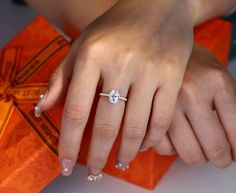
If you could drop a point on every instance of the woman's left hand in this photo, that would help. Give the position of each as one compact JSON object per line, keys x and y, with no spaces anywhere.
{"x":140,"y":48}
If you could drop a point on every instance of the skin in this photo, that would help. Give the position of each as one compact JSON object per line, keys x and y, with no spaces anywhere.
{"x":74,"y":15}
{"x":135,"y":72}
{"x":144,"y":68}
{"x":204,"y":117}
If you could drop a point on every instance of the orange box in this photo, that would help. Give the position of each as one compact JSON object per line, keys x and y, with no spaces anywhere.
{"x":28,"y":145}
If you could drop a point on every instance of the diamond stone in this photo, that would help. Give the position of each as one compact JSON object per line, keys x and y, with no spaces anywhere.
{"x":114,"y":96}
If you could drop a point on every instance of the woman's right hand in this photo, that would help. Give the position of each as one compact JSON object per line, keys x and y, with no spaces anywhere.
{"x":204,"y":123}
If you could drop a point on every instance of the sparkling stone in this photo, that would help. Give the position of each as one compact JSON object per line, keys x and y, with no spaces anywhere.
{"x":41,"y":96}
{"x":95,"y":177}
{"x":114,"y":96}
{"x":122,"y":166}
{"x":65,"y":169}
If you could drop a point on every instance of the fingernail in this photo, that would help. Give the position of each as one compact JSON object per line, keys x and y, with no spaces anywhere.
{"x":37,"y":108}
{"x":95,"y":174}
{"x":67,"y":167}
{"x":143,"y":149}
{"x":122,"y":166}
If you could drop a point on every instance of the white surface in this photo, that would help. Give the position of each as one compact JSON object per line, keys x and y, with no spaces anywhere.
{"x":179,"y":179}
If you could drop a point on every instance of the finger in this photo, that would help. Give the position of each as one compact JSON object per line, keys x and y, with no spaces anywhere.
{"x":59,"y":81}
{"x":58,"y":84}
{"x":76,"y":112}
{"x":225,"y":104}
{"x":106,"y":125}
{"x":135,"y":122}
{"x":210,"y":134}
{"x":165,"y":147}
{"x":162,"y":113}
{"x":184,"y":140}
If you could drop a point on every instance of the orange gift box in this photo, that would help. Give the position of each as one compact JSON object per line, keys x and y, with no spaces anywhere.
{"x":28,"y":145}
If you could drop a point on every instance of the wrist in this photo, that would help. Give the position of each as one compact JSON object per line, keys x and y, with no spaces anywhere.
{"x":155,"y":12}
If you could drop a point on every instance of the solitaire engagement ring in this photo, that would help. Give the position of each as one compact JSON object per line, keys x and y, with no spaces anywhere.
{"x":114,"y":96}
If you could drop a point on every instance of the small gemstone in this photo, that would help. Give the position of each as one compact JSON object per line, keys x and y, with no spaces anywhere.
{"x":114,"y":96}
{"x":90,"y":178}
{"x":95,"y":177}
{"x":41,"y":96}
{"x":65,"y":169}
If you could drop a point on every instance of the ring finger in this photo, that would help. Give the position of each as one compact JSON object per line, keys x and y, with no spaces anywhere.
{"x":106,"y":125}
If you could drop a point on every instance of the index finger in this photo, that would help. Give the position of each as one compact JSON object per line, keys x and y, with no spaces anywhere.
{"x":76,"y":112}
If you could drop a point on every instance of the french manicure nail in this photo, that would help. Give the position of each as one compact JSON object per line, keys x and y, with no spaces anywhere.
{"x":122,"y":166}
{"x":95,"y":174}
{"x":67,"y":167}
{"x":37,"y":108}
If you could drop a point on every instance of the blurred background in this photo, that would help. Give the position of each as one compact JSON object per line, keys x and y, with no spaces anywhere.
{"x":14,"y":15}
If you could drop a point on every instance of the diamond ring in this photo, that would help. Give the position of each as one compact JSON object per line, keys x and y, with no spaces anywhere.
{"x":114,"y":96}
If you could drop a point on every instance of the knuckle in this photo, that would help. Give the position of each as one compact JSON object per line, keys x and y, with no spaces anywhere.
{"x":134,"y":133}
{"x":74,"y":113}
{"x":106,"y":130}
{"x":92,"y":48}
{"x":149,"y":72}
{"x":217,"y":151}
{"x":122,"y":68}
{"x":172,"y":67}
{"x":161,"y":124}
{"x":123,"y":62}
{"x":87,"y":48}
{"x":170,"y":70}
{"x":188,"y":91}
{"x":194,"y":159}
{"x":165,"y":150}
{"x":220,"y":76}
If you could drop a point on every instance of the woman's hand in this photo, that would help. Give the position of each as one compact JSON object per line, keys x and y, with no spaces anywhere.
{"x":204,"y":124}
{"x":141,"y":48}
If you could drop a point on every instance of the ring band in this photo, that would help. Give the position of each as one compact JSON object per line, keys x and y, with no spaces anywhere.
{"x":114,"y":96}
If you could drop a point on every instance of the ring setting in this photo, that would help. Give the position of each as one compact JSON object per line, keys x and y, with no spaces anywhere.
{"x":114,"y":96}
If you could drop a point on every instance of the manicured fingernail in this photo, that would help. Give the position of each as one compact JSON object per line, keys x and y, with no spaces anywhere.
{"x":122,"y":166}
{"x":67,"y":167}
{"x":37,"y":108}
{"x":95,"y":174}
{"x":142,"y":149}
